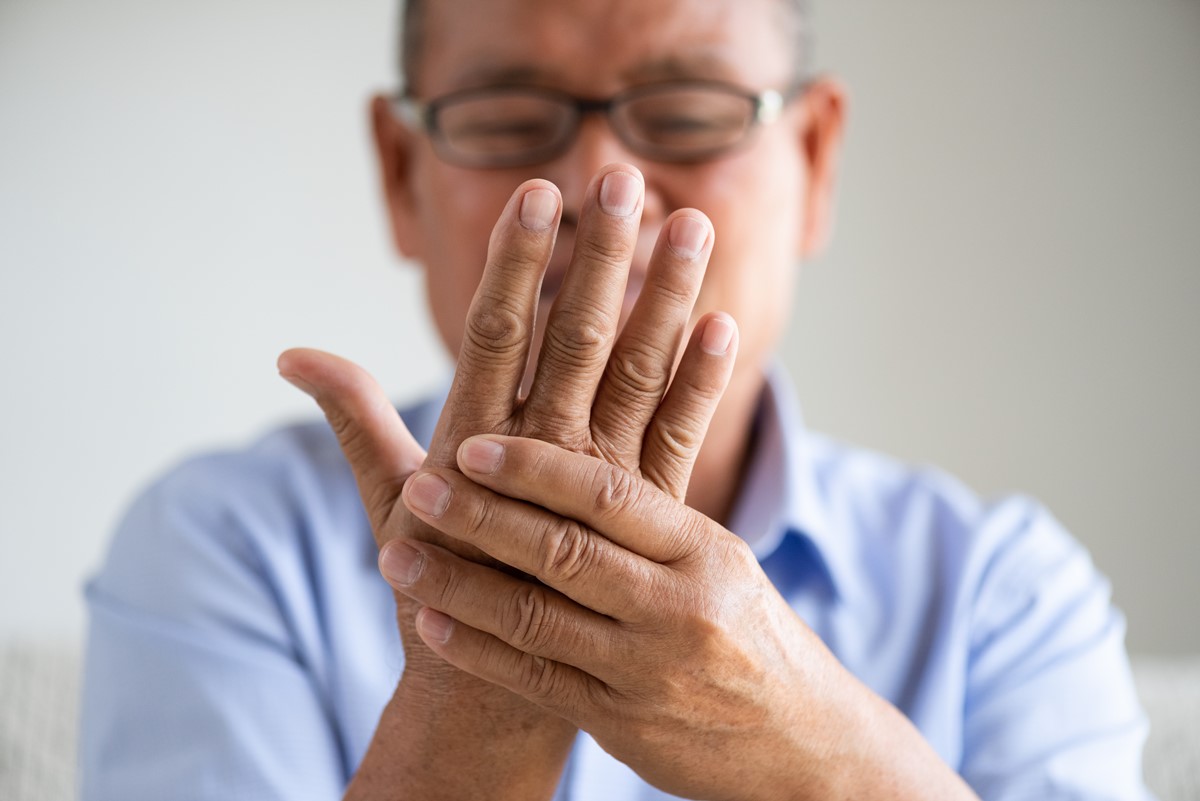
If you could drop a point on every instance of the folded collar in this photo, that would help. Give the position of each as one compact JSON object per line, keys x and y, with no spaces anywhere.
{"x":780,"y":496}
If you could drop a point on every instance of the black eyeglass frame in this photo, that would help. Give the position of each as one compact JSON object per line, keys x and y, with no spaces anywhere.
{"x":765,"y":108}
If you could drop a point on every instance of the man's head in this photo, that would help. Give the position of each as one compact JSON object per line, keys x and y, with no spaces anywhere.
{"x":769,"y":199}
{"x":793,"y":15}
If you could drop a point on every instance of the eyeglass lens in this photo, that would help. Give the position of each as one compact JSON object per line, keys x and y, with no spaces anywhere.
{"x":507,"y":126}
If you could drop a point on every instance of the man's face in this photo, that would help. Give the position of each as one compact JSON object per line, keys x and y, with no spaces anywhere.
{"x":760,"y":198}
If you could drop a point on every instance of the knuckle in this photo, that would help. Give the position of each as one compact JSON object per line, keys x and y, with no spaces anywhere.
{"x":578,"y":339}
{"x":616,"y":490}
{"x":687,"y":542}
{"x":495,"y":328}
{"x":537,"y":677}
{"x":475,"y":518}
{"x":541,"y":461}
{"x":444,"y":586}
{"x":607,"y":251}
{"x":638,"y":370}
{"x":570,"y":550}
{"x":678,"y":294}
{"x":554,"y":428}
{"x":697,"y":541}
{"x":718,"y":558}
{"x":518,"y":251}
{"x":669,"y":476}
{"x":681,"y":442}
{"x":739,"y":556}
{"x":537,"y":463}
{"x":701,"y":389}
{"x":611,"y":441}
{"x":527,"y":619}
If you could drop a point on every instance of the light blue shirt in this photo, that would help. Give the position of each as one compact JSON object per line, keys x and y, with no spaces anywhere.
{"x":242,"y":643}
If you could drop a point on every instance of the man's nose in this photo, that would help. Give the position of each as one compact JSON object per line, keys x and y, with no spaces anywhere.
{"x":596,"y":145}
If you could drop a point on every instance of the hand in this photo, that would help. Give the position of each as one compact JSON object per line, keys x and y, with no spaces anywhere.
{"x":581,"y":397}
{"x":592,"y":392}
{"x":656,"y":632}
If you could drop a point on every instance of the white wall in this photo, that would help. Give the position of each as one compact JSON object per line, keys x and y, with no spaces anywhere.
{"x":186,"y":189}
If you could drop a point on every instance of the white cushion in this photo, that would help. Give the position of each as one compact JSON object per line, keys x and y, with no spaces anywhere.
{"x":39,"y":697}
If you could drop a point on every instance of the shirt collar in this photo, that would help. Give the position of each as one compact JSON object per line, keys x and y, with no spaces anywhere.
{"x":780,"y":495}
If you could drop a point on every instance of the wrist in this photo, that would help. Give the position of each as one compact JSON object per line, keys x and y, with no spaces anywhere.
{"x":447,"y":735}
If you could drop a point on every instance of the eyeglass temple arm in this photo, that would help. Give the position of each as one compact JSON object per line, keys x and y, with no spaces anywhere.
{"x":410,"y":111}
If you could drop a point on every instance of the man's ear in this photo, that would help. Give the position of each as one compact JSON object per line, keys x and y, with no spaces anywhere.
{"x":821,"y":141}
{"x":394,"y":145}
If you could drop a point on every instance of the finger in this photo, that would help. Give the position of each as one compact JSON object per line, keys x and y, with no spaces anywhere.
{"x":639,"y":369}
{"x":500,"y":322}
{"x":530,"y":617}
{"x":629,"y":511}
{"x":381,"y":451}
{"x":673,"y":439}
{"x":567,"y":691}
{"x":583,"y":320}
{"x":586,"y":567}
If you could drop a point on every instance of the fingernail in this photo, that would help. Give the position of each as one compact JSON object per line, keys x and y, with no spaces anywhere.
{"x":538,"y":208}
{"x":429,"y":494}
{"x":687,"y":236}
{"x":480,"y":455}
{"x":619,"y":193}
{"x":718,"y":333}
{"x":433,"y":625}
{"x":400,"y":563}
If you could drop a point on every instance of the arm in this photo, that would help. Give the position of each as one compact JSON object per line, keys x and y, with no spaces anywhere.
{"x":657,"y":633}
{"x":1053,"y":711}
{"x":194,"y":658}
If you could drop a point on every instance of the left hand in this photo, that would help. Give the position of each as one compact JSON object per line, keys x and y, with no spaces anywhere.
{"x":655,"y":630}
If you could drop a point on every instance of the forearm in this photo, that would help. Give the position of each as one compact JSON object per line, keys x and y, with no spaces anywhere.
{"x":448,"y":735}
{"x":876,"y":752}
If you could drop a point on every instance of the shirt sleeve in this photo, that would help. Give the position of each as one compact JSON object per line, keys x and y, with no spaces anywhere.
{"x":1051,"y":711}
{"x":194,"y":686}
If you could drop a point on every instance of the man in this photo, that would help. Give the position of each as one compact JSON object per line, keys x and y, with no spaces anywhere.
{"x":767,"y":616}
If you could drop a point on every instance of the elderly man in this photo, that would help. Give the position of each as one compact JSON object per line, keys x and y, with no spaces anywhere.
{"x":584,"y":602}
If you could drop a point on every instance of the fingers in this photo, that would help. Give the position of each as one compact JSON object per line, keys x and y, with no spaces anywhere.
{"x":583,"y":320}
{"x":578,"y":562}
{"x":673,"y":438}
{"x":626,"y":509}
{"x":565,"y":690}
{"x":500,"y":322}
{"x":644,"y":356}
{"x":381,"y":451}
{"x":527,"y":616}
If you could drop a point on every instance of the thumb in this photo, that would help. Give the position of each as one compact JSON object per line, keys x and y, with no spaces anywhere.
{"x":381,"y":451}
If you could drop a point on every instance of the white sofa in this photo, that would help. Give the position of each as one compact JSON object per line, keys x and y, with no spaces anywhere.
{"x":39,"y":691}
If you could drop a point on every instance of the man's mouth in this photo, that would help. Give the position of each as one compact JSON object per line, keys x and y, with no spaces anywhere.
{"x":556,"y":272}
{"x":552,"y":283}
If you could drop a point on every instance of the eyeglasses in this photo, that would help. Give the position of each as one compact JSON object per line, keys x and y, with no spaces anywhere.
{"x":512,"y":126}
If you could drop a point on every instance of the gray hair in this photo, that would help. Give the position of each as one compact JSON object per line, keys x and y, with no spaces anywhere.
{"x":797,"y":22}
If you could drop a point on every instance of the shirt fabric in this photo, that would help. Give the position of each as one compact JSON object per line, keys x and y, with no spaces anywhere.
{"x":243,"y":644}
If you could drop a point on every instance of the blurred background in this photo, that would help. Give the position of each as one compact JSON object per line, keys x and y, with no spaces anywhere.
{"x":1013,"y":292}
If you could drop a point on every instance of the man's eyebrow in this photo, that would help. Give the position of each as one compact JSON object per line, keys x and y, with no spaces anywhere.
{"x":697,"y":65}
{"x":700,"y":65}
{"x":495,"y":75}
